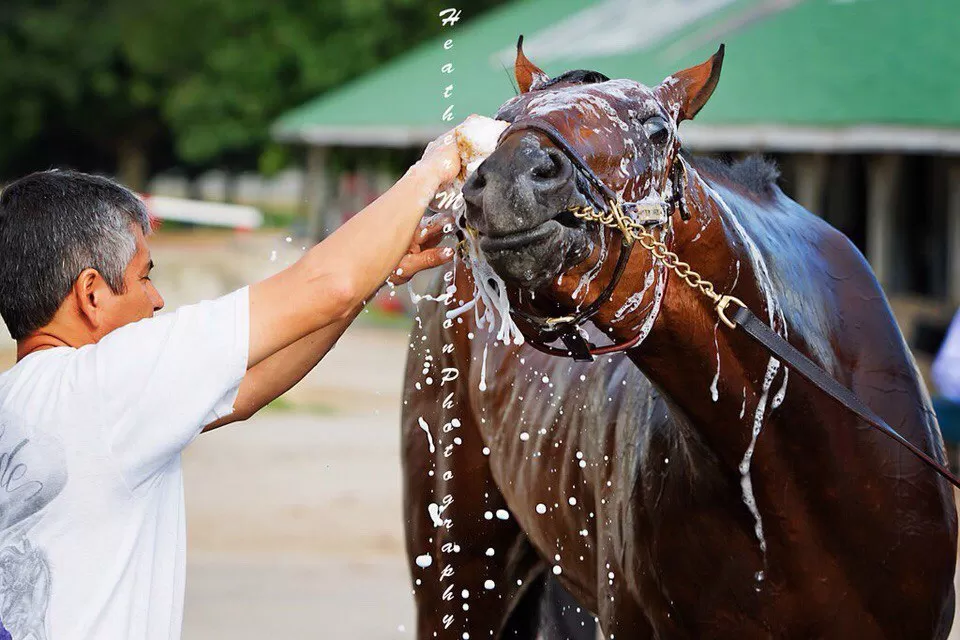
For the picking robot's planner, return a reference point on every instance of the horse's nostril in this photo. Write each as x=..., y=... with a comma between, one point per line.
x=475, y=182
x=551, y=165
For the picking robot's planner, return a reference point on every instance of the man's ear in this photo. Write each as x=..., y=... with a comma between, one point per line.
x=90, y=291
x=685, y=92
x=529, y=76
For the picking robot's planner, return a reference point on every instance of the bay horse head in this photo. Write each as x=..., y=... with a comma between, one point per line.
x=590, y=139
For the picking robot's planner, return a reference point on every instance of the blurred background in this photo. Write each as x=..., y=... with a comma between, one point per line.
x=253, y=128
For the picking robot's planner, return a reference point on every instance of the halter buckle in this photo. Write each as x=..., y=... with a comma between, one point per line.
x=722, y=305
x=576, y=345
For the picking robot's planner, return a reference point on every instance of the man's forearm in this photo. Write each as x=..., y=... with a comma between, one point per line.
x=370, y=244
x=272, y=377
x=337, y=274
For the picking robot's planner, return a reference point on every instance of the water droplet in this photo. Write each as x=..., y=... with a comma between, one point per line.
x=424, y=561
x=503, y=514
x=524, y=436
x=557, y=570
x=490, y=551
x=541, y=508
x=488, y=584
x=572, y=501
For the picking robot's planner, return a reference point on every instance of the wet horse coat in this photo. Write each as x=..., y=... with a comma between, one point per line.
x=690, y=488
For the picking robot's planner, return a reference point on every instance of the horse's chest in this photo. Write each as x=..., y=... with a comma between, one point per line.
x=565, y=443
x=590, y=464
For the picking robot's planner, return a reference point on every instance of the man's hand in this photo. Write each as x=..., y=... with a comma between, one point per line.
x=441, y=158
x=423, y=252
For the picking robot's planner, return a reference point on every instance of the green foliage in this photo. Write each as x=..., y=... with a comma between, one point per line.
x=201, y=79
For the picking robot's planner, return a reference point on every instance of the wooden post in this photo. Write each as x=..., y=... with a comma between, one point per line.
x=883, y=173
x=811, y=174
x=953, y=229
x=317, y=194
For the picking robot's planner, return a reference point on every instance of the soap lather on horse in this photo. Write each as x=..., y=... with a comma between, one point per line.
x=708, y=481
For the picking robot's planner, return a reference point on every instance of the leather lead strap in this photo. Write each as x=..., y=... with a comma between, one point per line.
x=779, y=347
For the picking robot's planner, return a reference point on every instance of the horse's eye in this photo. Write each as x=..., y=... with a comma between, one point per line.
x=656, y=129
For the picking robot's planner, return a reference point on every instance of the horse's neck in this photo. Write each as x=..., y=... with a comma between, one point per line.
x=812, y=287
x=714, y=377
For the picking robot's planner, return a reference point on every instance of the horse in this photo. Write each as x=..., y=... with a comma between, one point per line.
x=686, y=486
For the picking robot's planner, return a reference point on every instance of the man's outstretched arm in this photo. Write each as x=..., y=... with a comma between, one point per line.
x=278, y=373
x=329, y=281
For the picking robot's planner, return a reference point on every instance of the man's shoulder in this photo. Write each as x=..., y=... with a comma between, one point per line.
x=38, y=360
x=29, y=371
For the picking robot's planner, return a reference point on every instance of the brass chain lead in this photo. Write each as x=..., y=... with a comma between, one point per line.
x=636, y=232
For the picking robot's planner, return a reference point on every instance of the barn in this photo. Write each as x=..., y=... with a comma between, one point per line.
x=857, y=100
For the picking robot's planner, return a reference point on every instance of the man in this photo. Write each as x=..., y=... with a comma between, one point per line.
x=104, y=396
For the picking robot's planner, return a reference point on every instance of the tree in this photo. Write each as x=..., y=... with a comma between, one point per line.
x=119, y=81
x=65, y=83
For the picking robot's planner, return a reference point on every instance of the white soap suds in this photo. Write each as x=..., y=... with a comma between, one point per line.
x=426, y=430
x=424, y=561
x=483, y=369
x=714, y=392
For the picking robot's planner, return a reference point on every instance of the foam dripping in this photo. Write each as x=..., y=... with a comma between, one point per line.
x=489, y=293
x=774, y=314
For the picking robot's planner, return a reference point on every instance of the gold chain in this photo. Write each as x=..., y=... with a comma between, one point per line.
x=615, y=218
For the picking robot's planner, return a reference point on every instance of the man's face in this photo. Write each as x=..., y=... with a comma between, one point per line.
x=140, y=298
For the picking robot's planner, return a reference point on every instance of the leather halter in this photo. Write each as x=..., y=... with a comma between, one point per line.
x=567, y=328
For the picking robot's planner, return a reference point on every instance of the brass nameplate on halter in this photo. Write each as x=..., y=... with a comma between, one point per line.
x=646, y=213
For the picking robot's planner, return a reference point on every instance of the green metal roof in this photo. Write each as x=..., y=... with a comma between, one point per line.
x=798, y=74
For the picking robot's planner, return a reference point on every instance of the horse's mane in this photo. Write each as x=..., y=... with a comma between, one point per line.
x=577, y=76
x=756, y=174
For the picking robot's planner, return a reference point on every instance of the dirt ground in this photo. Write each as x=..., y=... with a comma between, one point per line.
x=294, y=518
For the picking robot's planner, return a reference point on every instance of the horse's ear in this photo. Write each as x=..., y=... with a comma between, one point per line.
x=529, y=75
x=684, y=93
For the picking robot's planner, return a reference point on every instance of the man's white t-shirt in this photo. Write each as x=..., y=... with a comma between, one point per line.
x=92, y=531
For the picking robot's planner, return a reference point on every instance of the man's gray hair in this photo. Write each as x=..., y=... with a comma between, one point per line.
x=53, y=225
